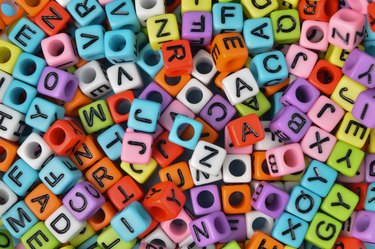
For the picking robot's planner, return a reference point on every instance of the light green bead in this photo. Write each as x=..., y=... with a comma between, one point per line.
x=286, y=26
x=258, y=105
x=231, y=245
x=39, y=237
x=6, y=240
x=95, y=116
x=84, y=235
x=110, y=237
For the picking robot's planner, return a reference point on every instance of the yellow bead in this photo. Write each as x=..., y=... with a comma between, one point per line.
x=371, y=145
x=259, y=8
x=140, y=172
x=84, y=235
x=289, y=247
x=67, y=247
x=110, y=239
x=352, y=132
x=8, y=56
x=194, y=5
x=162, y=28
x=288, y=4
x=346, y=92
x=337, y=56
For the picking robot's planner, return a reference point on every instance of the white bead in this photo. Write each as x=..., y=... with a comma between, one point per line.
x=189, y=243
x=12, y=123
x=63, y=225
x=5, y=80
x=63, y=3
x=92, y=80
x=237, y=169
x=270, y=140
x=208, y=158
x=194, y=95
x=35, y=151
x=124, y=76
x=258, y=221
x=201, y=178
x=148, y=8
x=159, y=237
x=204, y=68
x=8, y=197
x=240, y=86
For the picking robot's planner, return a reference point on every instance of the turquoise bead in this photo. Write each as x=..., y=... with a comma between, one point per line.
x=120, y=46
x=370, y=246
x=19, y=96
x=27, y=36
x=110, y=141
x=28, y=68
x=90, y=42
x=20, y=177
x=144, y=115
x=370, y=47
x=370, y=198
x=276, y=106
x=121, y=15
x=370, y=35
x=227, y=17
x=180, y=121
x=86, y=12
x=150, y=61
x=258, y=35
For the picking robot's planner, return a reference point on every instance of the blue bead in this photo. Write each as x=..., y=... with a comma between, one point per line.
x=86, y=12
x=90, y=243
x=370, y=246
x=111, y=141
x=42, y=114
x=60, y=174
x=150, y=60
x=258, y=35
x=227, y=17
x=19, y=219
x=370, y=47
x=276, y=106
x=20, y=177
x=370, y=35
x=26, y=35
x=319, y=178
x=144, y=115
x=303, y=203
x=121, y=15
x=370, y=198
x=178, y=123
x=131, y=221
x=269, y=68
x=142, y=41
x=28, y=68
x=90, y=42
x=120, y=46
x=19, y=96
x=290, y=230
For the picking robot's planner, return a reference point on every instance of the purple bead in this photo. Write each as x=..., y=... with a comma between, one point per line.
x=83, y=201
x=205, y=199
x=269, y=200
x=210, y=229
x=197, y=27
x=370, y=168
x=218, y=112
x=364, y=226
x=237, y=224
x=155, y=93
x=300, y=94
x=360, y=66
x=57, y=84
x=364, y=106
x=290, y=124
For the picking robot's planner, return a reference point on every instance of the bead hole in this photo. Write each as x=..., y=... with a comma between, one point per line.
x=3, y=154
x=362, y=223
x=205, y=199
x=117, y=43
x=56, y=48
x=34, y=150
x=58, y=136
x=303, y=94
x=273, y=202
x=194, y=95
x=33, y=3
x=98, y=217
x=4, y=197
x=324, y=75
x=314, y=34
x=19, y=96
x=259, y=224
x=178, y=226
x=69, y=88
x=155, y=96
x=172, y=81
x=219, y=225
x=237, y=168
x=158, y=212
x=123, y=106
x=28, y=67
x=151, y=58
x=204, y=66
x=148, y=4
x=236, y=199
x=5, y=54
x=290, y=159
x=88, y=75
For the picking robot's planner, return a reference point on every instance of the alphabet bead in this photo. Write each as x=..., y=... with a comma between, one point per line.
x=9, y=56
x=205, y=199
x=285, y=26
x=90, y=42
x=165, y=152
x=177, y=57
x=355, y=71
x=111, y=141
x=177, y=229
x=258, y=221
x=300, y=61
x=361, y=106
x=236, y=198
x=119, y=106
x=19, y=96
x=227, y=17
x=145, y=10
x=257, y=104
x=180, y=121
x=162, y=28
x=9, y=151
x=270, y=140
x=319, y=41
x=140, y=172
x=258, y=35
x=363, y=225
x=352, y=131
x=9, y=197
x=250, y=130
x=204, y=68
x=136, y=148
x=95, y=116
x=325, y=76
x=6, y=79
x=321, y=11
x=12, y=123
x=86, y=12
x=28, y=68
x=120, y=46
x=237, y=169
x=38, y=237
x=197, y=27
x=150, y=60
x=122, y=15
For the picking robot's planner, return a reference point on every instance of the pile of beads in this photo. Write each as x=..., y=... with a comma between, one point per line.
x=260, y=114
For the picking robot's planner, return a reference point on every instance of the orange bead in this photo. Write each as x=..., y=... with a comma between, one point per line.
x=8, y=152
x=103, y=174
x=80, y=63
x=246, y=130
x=42, y=202
x=321, y=10
x=32, y=7
x=325, y=76
x=219, y=79
x=262, y=240
x=165, y=152
x=361, y=190
x=208, y=133
x=177, y=58
x=229, y=52
x=371, y=15
x=179, y=174
x=260, y=168
x=171, y=85
x=103, y=217
x=119, y=106
x=2, y=26
x=271, y=90
x=236, y=199
x=343, y=242
x=17, y=12
x=87, y=154
x=79, y=100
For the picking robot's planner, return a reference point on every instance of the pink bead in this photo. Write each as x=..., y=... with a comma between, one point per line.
x=319, y=41
x=168, y=115
x=136, y=148
x=346, y=29
x=325, y=113
x=104, y=2
x=300, y=61
x=359, y=5
x=159, y=130
x=359, y=177
x=285, y=160
x=229, y=147
x=178, y=228
x=59, y=52
x=318, y=143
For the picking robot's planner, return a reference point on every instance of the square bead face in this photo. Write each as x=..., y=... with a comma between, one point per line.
x=208, y=158
x=86, y=12
x=31, y=36
x=370, y=198
x=361, y=109
x=300, y=61
x=286, y=26
x=122, y=15
x=111, y=141
x=227, y=17
x=14, y=92
x=136, y=148
x=245, y=131
x=143, y=115
x=258, y=104
x=28, y=68
x=352, y=131
x=95, y=116
x=258, y=35
x=90, y=42
x=140, y=172
x=205, y=199
x=197, y=27
x=39, y=229
x=150, y=60
x=180, y=121
x=162, y=28
x=120, y=46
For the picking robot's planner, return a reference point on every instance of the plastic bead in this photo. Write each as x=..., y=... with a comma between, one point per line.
x=257, y=104
x=237, y=169
x=9, y=55
x=204, y=68
x=150, y=61
x=178, y=59
x=79, y=100
x=7, y=240
x=27, y=36
x=9, y=150
x=86, y=12
x=355, y=71
x=286, y=26
x=197, y=27
x=19, y=96
x=180, y=121
x=12, y=123
x=250, y=130
x=9, y=197
x=179, y=174
x=352, y=132
x=95, y=116
x=325, y=76
x=121, y=15
x=109, y=237
x=363, y=225
x=39, y=236
x=260, y=239
x=258, y=221
x=111, y=141
x=319, y=10
x=370, y=168
x=205, y=199
x=177, y=231
x=120, y=46
x=162, y=28
x=165, y=152
x=28, y=68
x=136, y=148
x=146, y=9
x=103, y=217
x=300, y=61
x=227, y=17
x=258, y=35
x=140, y=172
x=257, y=9
x=90, y=42
x=208, y=133
x=236, y=198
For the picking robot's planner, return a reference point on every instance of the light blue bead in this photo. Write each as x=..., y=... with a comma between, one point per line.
x=142, y=41
x=303, y=203
x=20, y=177
x=290, y=230
x=276, y=106
x=19, y=219
x=121, y=15
x=258, y=35
x=111, y=141
x=60, y=174
x=370, y=246
x=131, y=221
x=19, y=96
x=320, y=186
x=136, y=246
x=370, y=198
x=370, y=47
x=90, y=243
x=308, y=245
x=180, y=121
x=90, y=42
x=370, y=35
x=227, y=17
x=120, y=46
x=144, y=115
x=28, y=68
x=269, y=68
x=27, y=36
x=42, y=114
x=150, y=60
x=86, y=12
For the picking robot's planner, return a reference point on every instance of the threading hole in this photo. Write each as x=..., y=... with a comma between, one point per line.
x=9, y=9
x=18, y=96
x=4, y=197
x=69, y=88
x=151, y=58
x=290, y=158
x=273, y=202
x=3, y=154
x=148, y=4
x=314, y=34
x=88, y=75
x=58, y=136
x=236, y=199
x=205, y=199
x=178, y=226
x=184, y=127
x=28, y=67
x=303, y=94
x=259, y=224
x=362, y=223
x=99, y=216
x=123, y=107
x=265, y=167
x=155, y=96
x=56, y=48
x=117, y=43
x=219, y=225
x=33, y=3
x=237, y=168
x=324, y=76
x=194, y=95
x=158, y=242
x=204, y=66
x=172, y=81
x=158, y=212
x=5, y=54
x=34, y=150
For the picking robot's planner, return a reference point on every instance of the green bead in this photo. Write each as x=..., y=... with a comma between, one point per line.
x=323, y=231
x=345, y=158
x=231, y=245
x=258, y=105
x=39, y=237
x=286, y=26
x=84, y=235
x=340, y=202
x=6, y=240
x=110, y=239
x=95, y=116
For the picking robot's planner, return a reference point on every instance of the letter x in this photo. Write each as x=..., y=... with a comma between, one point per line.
x=319, y=142
x=291, y=229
